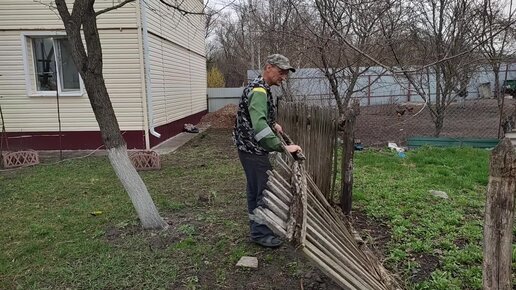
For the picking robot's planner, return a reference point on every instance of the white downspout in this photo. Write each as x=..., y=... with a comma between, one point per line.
x=146, y=60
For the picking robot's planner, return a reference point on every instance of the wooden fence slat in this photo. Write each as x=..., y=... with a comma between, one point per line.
x=278, y=184
x=331, y=217
x=352, y=267
x=271, y=222
x=280, y=192
x=351, y=281
x=306, y=124
x=275, y=174
x=338, y=277
x=282, y=214
x=278, y=202
x=339, y=239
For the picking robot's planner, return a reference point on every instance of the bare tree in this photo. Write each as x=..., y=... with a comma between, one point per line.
x=211, y=22
x=437, y=30
x=252, y=31
x=88, y=61
x=495, y=46
x=233, y=55
x=330, y=27
x=89, y=65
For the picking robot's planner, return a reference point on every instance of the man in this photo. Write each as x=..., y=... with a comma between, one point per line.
x=255, y=138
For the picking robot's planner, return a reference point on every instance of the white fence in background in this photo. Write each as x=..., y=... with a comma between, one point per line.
x=376, y=87
x=219, y=97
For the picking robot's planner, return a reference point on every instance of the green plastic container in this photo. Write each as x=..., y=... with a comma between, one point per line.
x=416, y=141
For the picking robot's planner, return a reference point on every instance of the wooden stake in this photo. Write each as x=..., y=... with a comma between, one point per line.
x=499, y=218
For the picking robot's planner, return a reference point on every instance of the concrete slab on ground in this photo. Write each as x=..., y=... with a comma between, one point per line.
x=175, y=142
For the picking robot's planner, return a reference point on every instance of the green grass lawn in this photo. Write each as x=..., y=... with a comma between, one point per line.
x=49, y=239
x=435, y=243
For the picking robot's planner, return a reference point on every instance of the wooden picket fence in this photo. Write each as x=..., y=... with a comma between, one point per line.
x=314, y=128
x=296, y=209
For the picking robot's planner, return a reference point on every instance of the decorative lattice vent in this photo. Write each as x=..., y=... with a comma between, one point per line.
x=145, y=160
x=20, y=158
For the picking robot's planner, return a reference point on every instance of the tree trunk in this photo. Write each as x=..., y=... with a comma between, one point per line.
x=439, y=110
x=103, y=110
x=133, y=184
x=347, y=158
x=497, y=92
x=499, y=218
x=439, y=123
x=90, y=67
x=117, y=152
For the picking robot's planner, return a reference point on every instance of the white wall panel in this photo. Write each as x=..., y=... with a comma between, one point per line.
x=122, y=74
x=178, y=79
x=28, y=14
x=184, y=30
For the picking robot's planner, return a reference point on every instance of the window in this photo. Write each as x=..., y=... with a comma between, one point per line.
x=50, y=68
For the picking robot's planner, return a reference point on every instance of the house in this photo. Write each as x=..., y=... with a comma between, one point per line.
x=154, y=68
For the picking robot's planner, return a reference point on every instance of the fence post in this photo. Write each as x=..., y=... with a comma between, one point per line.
x=408, y=92
x=369, y=90
x=498, y=221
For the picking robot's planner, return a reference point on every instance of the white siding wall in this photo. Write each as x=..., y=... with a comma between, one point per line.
x=27, y=14
x=178, y=65
x=184, y=30
x=122, y=71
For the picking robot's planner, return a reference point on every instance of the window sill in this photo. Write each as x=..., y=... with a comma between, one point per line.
x=53, y=94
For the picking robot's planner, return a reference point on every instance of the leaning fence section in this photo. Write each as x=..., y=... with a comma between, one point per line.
x=297, y=210
x=314, y=127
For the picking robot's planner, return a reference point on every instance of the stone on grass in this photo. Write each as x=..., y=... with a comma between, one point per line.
x=248, y=262
x=438, y=193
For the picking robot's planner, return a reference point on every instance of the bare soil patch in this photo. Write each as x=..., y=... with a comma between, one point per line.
x=223, y=118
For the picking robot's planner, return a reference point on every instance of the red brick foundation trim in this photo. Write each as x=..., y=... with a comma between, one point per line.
x=90, y=140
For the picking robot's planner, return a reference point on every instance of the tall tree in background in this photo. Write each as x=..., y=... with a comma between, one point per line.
x=210, y=24
x=338, y=35
x=233, y=56
x=252, y=31
x=494, y=44
x=442, y=34
x=497, y=44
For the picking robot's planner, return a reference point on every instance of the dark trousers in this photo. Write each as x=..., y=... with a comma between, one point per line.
x=255, y=167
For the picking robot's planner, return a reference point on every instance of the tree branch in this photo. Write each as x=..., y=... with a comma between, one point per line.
x=63, y=10
x=181, y=10
x=92, y=38
x=377, y=62
x=72, y=23
x=113, y=7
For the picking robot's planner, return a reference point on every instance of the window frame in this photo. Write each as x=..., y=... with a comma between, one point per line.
x=30, y=69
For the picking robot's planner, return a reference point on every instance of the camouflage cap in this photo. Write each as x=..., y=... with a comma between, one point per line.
x=280, y=61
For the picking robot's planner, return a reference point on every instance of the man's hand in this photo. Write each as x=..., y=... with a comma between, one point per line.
x=278, y=128
x=293, y=148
